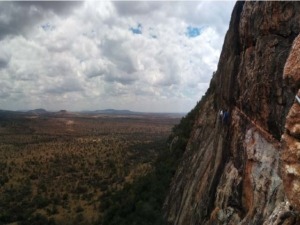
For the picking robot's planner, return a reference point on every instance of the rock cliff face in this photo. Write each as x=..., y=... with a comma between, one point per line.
x=247, y=171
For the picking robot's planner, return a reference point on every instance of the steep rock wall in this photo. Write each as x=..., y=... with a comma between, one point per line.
x=291, y=137
x=230, y=174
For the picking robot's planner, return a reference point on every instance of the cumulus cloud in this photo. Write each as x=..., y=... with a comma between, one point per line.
x=18, y=18
x=4, y=59
x=137, y=7
x=144, y=56
x=64, y=85
x=58, y=7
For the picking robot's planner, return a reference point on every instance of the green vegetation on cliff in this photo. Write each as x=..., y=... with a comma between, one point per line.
x=141, y=202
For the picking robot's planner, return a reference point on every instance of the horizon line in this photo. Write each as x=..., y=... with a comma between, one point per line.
x=87, y=110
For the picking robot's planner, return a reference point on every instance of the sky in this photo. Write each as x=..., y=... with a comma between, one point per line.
x=147, y=56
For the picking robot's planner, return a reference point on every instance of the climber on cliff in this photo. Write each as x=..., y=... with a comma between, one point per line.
x=297, y=98
x=221, y=115
x=225, y=118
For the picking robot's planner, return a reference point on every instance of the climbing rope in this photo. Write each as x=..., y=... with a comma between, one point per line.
x=263, y=131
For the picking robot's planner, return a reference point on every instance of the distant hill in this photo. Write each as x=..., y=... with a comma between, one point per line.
x=133, y=113
x=6, y=113
x=114, y=111
x=65, y=113
x=62, y=112
x=38, y=111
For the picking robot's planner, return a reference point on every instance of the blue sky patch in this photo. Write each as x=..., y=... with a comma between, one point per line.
x=47, y=27
x=192, y=32
x=137, y=30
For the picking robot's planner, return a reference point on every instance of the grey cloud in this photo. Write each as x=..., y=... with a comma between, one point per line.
x=5, y=89
x=19, y=17
x=122, y=68
x=58, y=7
x=116, y=53
x=116, y=90
x=65, y=86
x=58, y=67
x=172, y=70
x=15, y=19
x=136, y=7
x=143, y=92
x=59, y=45
x=94, y=72
x=94, y=68
x=61, y=90
x=20, y=71
x=119, y=76
x=4, y=94
x=92, y=57
x=3, y=62
x=24, y=76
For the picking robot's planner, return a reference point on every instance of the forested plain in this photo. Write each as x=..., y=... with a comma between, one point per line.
x=75, y=169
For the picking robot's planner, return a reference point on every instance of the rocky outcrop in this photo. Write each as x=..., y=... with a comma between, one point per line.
x=291, y=137
x=230, y=173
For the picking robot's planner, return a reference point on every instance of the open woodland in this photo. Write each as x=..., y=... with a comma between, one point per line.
x=67, y=169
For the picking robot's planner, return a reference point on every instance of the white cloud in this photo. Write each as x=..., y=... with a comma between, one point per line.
x=95, y=55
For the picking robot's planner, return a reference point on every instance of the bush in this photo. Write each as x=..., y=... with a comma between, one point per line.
x=40, y=201
x=141, y=202
x=38, y=219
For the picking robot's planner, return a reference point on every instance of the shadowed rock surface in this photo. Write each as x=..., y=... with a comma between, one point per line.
x=230, y=174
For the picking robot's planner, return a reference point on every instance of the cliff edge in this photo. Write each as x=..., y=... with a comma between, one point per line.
x=246, y=171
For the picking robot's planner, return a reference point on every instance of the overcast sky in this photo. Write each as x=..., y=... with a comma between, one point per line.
x=142, y=56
